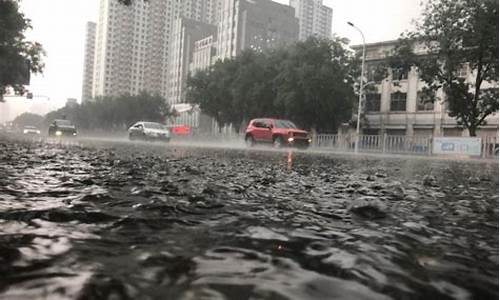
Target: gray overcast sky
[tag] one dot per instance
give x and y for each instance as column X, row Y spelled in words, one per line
column 60, row 26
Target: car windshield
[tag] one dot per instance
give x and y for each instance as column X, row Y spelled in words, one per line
column 284, row 124
column 29, row 127
column 63, row 122
column 152, row 125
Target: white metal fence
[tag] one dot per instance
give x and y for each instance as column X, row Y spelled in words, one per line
column 398, row 144
column 489, row 147
column 376, row 143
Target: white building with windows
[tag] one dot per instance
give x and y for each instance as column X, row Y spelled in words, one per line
column 315, row 19
column 396, row 107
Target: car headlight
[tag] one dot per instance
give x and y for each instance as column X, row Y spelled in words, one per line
column 74, row 133
column 290, row 139
column 38, row 132
column 25, row 131
column 310, row 140
column 58, row 133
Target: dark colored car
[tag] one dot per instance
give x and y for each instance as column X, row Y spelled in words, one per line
column 149, row 131
column 62, row 128
column 279, row 133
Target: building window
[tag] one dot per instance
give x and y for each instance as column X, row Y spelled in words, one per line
column 373, row 102
column 423, row 103
column 399, row 74
column 398, row 101
column 371, row 74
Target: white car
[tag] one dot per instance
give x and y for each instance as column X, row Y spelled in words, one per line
column 31, row 130
column 149, row 131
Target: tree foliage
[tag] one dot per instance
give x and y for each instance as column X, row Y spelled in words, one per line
column 310, row 83
column 18, row 57
column 114, row 113
column 28, row 119
column 456, row 35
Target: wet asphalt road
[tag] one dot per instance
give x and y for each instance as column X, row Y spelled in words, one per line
column 100, row 220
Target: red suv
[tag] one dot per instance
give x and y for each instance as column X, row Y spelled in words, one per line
column 279, row 133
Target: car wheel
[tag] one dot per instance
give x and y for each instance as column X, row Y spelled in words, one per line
column 249, row 141
column 278, row 142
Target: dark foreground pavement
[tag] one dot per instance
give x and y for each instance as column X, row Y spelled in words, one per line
column 97, row 220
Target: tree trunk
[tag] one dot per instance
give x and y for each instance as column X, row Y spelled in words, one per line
column 472, row 130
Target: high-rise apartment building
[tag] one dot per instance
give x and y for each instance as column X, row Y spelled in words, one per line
column 255, row 24
column 88, row 62
column 185, row 34
column 132, row 43
column 130, row 46
column 315, row 18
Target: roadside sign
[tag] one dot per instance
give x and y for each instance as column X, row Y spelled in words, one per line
column 456, row 145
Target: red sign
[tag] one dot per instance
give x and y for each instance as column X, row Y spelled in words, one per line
column 180, row 130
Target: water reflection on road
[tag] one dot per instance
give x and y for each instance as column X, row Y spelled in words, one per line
column 130, row 221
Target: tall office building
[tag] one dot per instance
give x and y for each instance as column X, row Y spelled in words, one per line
column 185, row 33
column 204, row 54
column 315, row 18
column 132, row 43
column 88, row 62
column 185, row 28
column 255, row 24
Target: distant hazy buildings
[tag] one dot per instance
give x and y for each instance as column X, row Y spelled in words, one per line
column 315, row 19
column 154, row 45
column 71, row 102
column 132, row 43
column 88, row 63
column 255, row 24
column 242, row 24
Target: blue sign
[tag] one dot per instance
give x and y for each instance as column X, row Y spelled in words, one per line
column 456, row 145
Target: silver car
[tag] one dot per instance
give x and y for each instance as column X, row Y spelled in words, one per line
column 149, row 131
column 31, row 130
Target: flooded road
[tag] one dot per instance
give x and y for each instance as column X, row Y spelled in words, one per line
column 97, row 220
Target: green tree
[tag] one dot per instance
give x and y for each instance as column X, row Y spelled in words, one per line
column 310, row 82
column 28, row 119
column 252, row 91
column 18, row 57
column 212, row 90
column 456, row 35
column 315, row 83
column 114, row 113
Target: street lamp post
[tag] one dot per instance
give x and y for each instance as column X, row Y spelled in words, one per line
column 356, row 145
